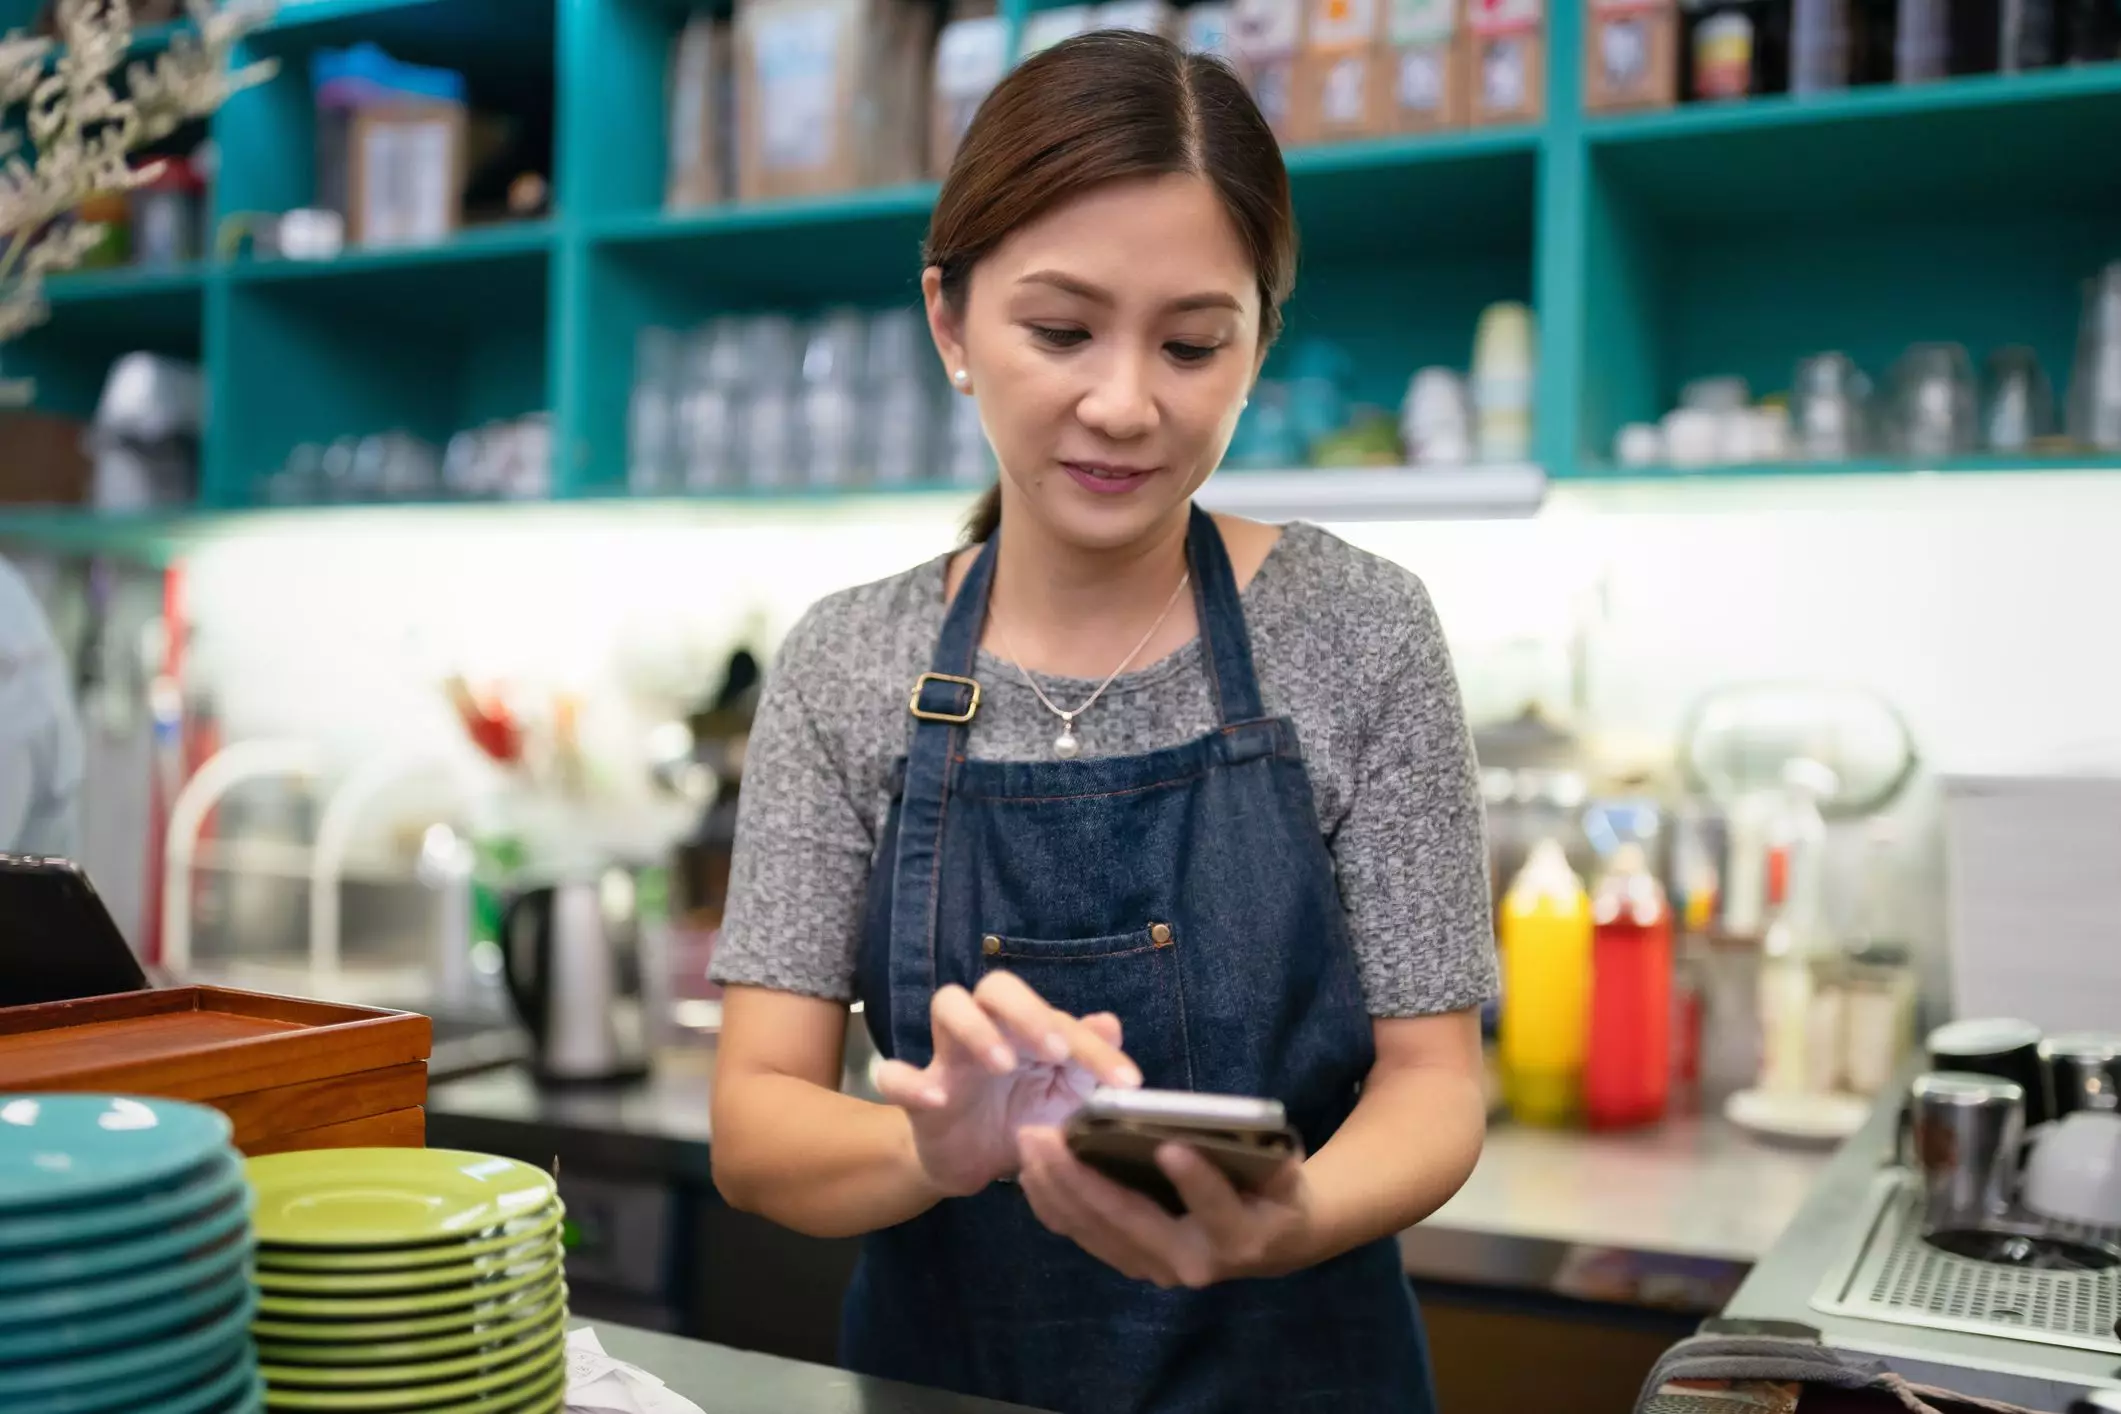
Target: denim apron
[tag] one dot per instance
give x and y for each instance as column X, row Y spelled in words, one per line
column 1189, row 892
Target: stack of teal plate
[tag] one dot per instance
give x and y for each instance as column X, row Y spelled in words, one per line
column 125, row 1259
column 409, row 1279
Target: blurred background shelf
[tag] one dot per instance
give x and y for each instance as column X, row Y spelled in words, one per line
column 2047, row 95
column 1321, row 495
column 498, row 245
column 1656, row 249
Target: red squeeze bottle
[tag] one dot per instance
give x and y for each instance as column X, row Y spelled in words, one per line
column 1627, row 1077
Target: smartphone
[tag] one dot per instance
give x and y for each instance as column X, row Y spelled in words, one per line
column 57, row 940
column 1117, row 1132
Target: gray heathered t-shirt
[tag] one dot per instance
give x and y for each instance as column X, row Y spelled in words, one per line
column 1345, row 643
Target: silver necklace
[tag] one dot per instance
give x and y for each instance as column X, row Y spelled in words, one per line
column 1066, row 745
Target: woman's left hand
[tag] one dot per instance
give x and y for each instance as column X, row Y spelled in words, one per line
column 1224, row 1234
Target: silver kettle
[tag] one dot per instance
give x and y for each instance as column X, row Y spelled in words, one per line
column 573, row 957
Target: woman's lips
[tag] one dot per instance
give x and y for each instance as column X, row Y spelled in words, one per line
column 1104, row 479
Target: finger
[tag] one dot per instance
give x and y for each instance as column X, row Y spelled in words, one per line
column 1046, row 1173
column 1106, row 1025
column 1210, row 1196
column 955, row 1017
column 1281, row 1186
column 910, row 1087
column 1134, row 1217
column 1037, row 1182
column 1052, row 1034
column 1038, row 1026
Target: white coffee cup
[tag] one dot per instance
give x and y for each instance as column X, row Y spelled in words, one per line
column 2075, row 1172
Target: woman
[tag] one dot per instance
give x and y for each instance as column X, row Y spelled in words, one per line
column 1252, row 866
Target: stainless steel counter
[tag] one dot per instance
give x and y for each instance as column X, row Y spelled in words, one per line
column 726, row 1381
column 1670, row 1217
column 1822, row 1237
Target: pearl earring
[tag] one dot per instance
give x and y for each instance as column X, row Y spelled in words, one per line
column 963, row 380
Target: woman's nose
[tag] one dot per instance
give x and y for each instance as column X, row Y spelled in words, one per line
column 1119, row 403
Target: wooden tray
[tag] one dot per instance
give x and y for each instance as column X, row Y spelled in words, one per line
column 337, row 1099
column 400, row 1129
column 200, row 1043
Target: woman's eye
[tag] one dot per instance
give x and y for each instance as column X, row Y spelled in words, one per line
column 1190, row 353
column 1058, row 338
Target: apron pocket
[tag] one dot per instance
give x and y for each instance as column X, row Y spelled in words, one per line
column 1133, row 975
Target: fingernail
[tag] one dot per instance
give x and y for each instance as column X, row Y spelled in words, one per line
column 1003, row 1058
column 1056, row 1047
column 1129, row 1077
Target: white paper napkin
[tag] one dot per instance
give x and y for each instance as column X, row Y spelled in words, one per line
column 598, row 1384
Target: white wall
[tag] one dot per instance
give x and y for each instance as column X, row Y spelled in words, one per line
column 1981, row 607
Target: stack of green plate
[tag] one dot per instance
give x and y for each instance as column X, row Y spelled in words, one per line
column 409, row 1279
column 125, row 1254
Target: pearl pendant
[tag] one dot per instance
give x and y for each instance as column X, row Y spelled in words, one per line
column 1065, row 745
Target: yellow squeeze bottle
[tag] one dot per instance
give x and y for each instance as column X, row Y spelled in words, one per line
column 1546, row 988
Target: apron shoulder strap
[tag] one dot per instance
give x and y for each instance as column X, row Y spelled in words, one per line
column 1226, row 645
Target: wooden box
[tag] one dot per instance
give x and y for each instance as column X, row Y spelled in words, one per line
column 397, row 173
column 1509, row 61
column 1337, row 97
column 1427, row 62
column 1631, row 55
column 289, row 1073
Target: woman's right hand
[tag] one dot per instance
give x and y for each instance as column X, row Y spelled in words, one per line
column 1003, row 1059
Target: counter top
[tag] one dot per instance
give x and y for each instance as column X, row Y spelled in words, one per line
column 1695, row 1186
column 1827, row 1230
column 1671, row 1216
column 725, row 1381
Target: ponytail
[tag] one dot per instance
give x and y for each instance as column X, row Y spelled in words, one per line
column 985, row 517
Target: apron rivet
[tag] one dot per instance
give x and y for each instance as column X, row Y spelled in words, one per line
column 990, row 945
column 1160, row 934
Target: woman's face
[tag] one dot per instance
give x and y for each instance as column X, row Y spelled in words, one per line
column 1110, row 343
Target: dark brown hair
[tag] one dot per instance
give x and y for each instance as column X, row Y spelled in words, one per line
column 1099, row 108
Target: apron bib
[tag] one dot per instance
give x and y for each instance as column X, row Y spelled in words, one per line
column 1189, row 892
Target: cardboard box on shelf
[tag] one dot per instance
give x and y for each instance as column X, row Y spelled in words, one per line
column 827, row 95
column 1341, row 96
column 404, row 166
column 897, row 121
column 45, row 464
column 1509, row 60
column 1631, row 55
column 1339, row 88
column 971, row 55
column 1426, row 55
column 1266, row 37
column 1341, row 26
column 702, row 101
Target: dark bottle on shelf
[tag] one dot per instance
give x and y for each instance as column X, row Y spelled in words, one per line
column 1734, row 49
column 2091, row 31
column 1872, row 25
column 2028, row 39
column 1974, row 33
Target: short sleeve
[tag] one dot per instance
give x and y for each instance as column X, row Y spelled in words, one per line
column 800, row 870
column 1410, row 852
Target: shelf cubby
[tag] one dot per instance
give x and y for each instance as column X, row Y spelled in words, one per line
column 371, row 344
column 1739, row 238
column 1655, row 247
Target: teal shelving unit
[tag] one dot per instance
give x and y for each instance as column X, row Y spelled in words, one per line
column 1655, row 247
